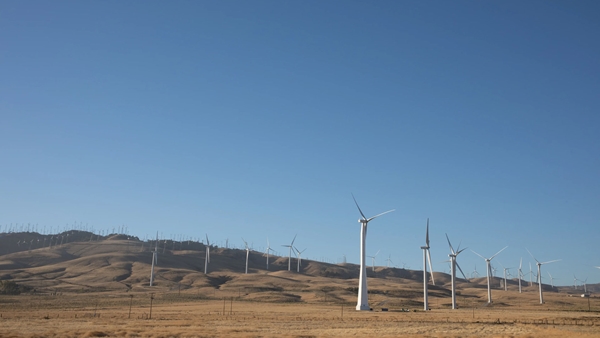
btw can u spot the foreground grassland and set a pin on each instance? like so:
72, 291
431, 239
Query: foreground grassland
186, 315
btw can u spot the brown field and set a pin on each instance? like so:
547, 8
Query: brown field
85, 289
187, 315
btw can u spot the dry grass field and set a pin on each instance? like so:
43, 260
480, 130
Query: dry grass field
187, 315
100, 289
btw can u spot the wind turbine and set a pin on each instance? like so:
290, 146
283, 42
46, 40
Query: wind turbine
489, 272
267, 252
453, 266
373, 260
584, 282
247, 254
575, 281
298, 254
520, 273
539, 265
530, 275
551, 280
505, 274
154, 260
207, 256
290, 246
389, 260
362, 303
426, 255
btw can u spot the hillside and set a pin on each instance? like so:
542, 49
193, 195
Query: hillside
83, 262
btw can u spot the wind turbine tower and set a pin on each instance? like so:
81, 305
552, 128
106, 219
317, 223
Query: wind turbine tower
299, 256
489, 272
426, 255
362, 303
290, 257
154, 260
247, 254
520, 273
373, 260
267, 252
207, 256
453, 266
539, 265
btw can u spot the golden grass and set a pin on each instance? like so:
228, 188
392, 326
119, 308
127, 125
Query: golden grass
189, 315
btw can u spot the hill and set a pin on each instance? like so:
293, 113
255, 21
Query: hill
79, 261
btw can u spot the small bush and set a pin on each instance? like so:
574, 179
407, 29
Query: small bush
8, 287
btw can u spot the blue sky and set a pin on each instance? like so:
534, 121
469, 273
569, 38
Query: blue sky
260, 118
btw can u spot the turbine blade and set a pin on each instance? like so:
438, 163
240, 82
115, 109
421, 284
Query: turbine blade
383, 213
363, 215
458, 266
449, 244
207, 242
521, 263
293, 239
479, 255
532, 255
498, 252
461, 251
556, 260
377, 253
427, 233
430, 268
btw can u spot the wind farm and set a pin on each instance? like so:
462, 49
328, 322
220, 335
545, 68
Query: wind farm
130, 131
87, 275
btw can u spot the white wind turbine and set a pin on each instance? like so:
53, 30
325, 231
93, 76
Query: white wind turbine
154, 260
267, 252
207, 256
539, 265
363, 299
247, 254
489, 272
373, 260
290, 246
426, 255
575, 281
453, 266
389, 260
530, 275
520, 273
505, 275
299, 256
551, 280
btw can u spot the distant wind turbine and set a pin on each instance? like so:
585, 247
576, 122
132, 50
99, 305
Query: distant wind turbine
267, 252
551, 280
290, 257
154, 260
426, 255
247, 254
453, 266
539, 265
489, 272
520, 273
207, 255
299, 255
363, 298
505, 275
373, 260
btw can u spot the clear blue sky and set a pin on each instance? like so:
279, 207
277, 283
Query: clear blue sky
260, 118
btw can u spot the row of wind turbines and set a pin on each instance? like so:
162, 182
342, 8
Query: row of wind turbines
268, 250
362, 300
363, 304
